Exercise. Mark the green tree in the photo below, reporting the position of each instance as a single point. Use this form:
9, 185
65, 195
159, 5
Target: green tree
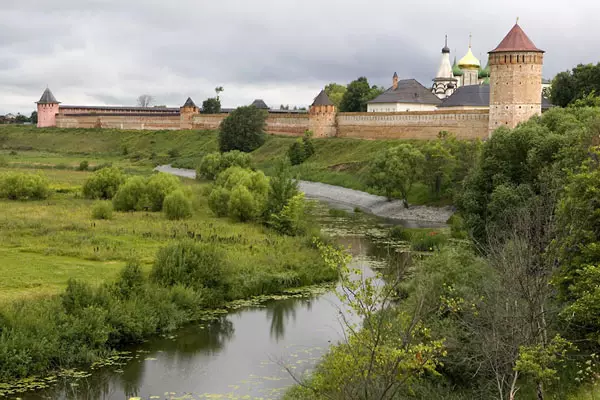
578, 83
212, 105
218, 91
243, 129
20, 118
396, 170
34, 117
440, 165
335, 92
357, 94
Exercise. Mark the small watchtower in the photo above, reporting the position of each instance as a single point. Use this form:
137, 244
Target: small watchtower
515, 80
47, 108
321, 117
186, 114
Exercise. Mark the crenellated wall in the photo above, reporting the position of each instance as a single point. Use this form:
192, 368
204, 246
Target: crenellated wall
465, 124
287, 124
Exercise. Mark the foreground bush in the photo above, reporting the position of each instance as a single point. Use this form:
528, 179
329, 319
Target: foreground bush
214, 163
177, 206
301, 149
158, 187
104, 183
243, 130
22, 186
139, 193
102, 210
427, 241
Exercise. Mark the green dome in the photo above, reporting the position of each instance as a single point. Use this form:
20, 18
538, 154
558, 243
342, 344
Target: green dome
484, 72
456, 71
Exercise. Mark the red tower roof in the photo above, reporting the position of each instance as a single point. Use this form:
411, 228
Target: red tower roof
516, 40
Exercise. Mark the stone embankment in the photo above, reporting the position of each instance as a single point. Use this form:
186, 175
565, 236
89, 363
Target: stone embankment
367, 202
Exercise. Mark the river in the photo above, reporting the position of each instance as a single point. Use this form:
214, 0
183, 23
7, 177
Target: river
241, 355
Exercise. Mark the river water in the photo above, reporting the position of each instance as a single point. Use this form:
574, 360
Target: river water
241, 355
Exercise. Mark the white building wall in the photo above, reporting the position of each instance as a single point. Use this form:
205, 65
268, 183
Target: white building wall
400, 107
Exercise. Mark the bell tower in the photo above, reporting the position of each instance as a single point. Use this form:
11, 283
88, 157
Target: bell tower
515, 80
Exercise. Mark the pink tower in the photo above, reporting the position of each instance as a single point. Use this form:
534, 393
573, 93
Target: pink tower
47, 109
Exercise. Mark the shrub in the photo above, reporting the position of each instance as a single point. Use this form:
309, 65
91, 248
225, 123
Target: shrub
101, 166
399, 233
213, 164
243, 129
242, 204
218, 201
84, 165
159, 186
427, 241
102, 210
301, 149
132, 195
246, 193
282, 187
103, 184
292, 219
22, 186
458, 229
191, 265
131, 280
177, 206
173, 153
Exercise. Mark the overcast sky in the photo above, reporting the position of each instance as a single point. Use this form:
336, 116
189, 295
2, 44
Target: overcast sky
107, 52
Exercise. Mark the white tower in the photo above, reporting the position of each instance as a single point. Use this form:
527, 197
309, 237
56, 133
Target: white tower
444, 83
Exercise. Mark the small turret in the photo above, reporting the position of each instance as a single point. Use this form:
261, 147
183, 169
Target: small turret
322, 115
444, 82
47, 108
395, 81
186, 114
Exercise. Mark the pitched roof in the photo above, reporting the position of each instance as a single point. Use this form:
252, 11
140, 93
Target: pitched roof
322, 100
47, 98
189, 103
477, 96
408, 91
259, 103
516, 40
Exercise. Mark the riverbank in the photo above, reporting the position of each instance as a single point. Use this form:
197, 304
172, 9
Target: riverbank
376, 205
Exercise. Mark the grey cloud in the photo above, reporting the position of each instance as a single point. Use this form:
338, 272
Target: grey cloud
110, 51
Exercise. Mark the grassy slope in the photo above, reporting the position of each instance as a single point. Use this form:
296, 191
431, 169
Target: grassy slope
44, 243
337, 161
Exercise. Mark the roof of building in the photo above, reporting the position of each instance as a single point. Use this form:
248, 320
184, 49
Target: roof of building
322, 100
469, 60
189, 103
516, 40
477, 96
408, 91
446, 49
48, 98
259, 103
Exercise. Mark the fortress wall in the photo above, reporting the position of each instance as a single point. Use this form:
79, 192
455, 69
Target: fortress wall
142, 122
465, 124
207, 121
287, 124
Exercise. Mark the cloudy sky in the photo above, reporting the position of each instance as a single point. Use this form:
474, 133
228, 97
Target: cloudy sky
107, 52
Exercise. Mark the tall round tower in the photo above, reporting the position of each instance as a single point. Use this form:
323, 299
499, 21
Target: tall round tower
47, 109
515, 80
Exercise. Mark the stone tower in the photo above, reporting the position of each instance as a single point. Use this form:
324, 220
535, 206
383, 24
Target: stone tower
47, 109
515, 80
444, 83
186, 114
321, 117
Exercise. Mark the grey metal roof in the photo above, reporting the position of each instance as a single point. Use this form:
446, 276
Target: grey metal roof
477, 96
47, 98
322, 100
189, 103
259, 103
408, 91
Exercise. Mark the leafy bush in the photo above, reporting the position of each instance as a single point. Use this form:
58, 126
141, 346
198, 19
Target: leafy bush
103, 184
243, 129
173, 153
301, 149
131, 280
102, 210
177, 206
457, 227
427, 241
158, 187
22, 186
243, 206
218, 201
101, 166
132, 195
399, 233
190, 264
83, 166
292, 219
213, 164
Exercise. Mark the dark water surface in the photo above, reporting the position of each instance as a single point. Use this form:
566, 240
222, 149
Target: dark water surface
240, 356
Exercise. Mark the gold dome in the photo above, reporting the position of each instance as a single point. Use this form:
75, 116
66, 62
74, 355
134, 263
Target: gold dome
469, 61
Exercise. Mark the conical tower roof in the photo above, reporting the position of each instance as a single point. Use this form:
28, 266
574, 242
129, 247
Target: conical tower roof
322, 100
48, 98
189, 103
516, 40
258, 103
